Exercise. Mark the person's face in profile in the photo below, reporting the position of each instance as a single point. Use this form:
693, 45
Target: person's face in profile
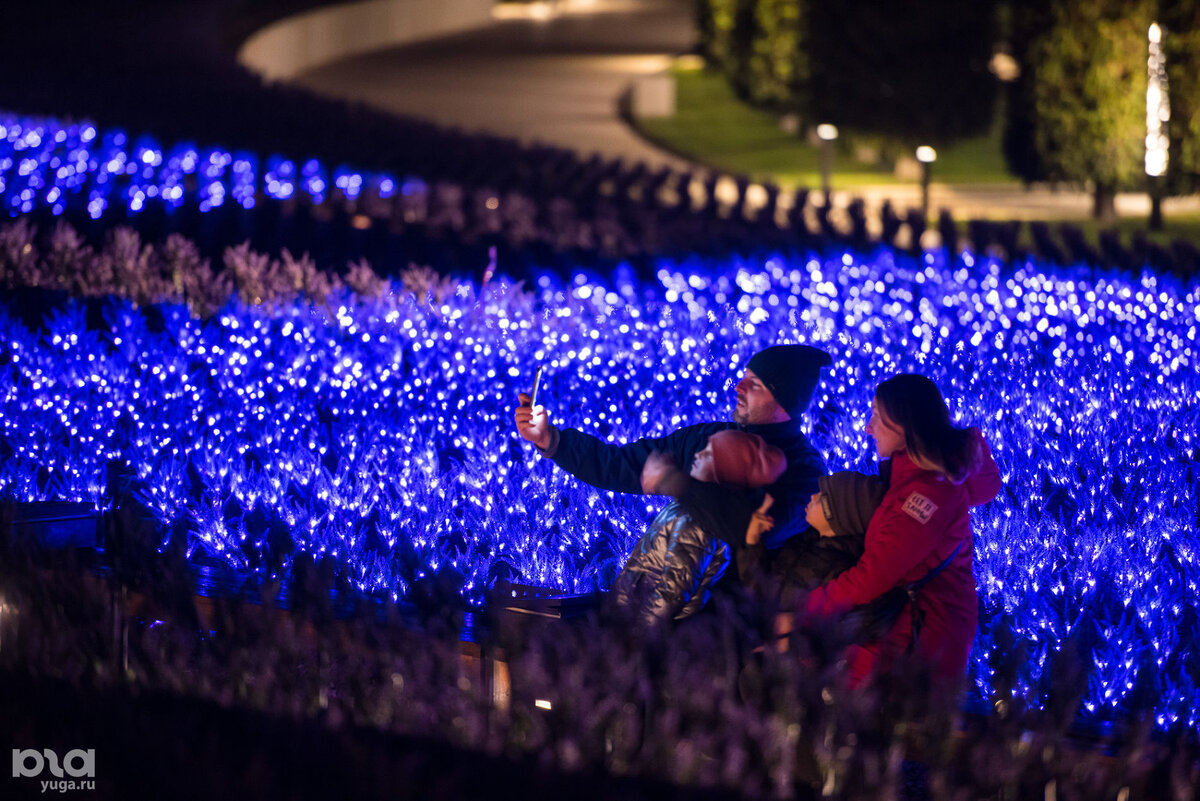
889, 438
814, 515
755, 403
702, 464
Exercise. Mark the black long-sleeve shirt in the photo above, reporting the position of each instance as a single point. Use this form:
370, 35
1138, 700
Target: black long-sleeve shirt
723, 509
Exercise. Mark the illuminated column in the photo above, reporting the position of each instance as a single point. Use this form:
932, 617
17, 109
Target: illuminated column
1158, 112
827, 134
926, 155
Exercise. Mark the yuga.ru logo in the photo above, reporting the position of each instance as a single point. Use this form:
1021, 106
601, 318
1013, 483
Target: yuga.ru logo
78, 764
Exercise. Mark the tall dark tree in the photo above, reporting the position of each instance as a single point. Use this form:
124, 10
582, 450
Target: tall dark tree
1180, 21
1077, 111
1025, 21
915, 71
727, 29
779, 67
1089, 95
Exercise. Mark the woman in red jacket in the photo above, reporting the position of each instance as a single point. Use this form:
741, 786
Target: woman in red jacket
938, 472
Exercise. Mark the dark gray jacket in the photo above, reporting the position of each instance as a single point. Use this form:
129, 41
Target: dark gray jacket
671, 569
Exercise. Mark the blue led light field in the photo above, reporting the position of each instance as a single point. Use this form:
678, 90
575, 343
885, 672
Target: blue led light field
376, 430
48, 164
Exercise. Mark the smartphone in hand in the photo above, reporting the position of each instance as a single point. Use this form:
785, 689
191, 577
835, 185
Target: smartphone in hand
537, 382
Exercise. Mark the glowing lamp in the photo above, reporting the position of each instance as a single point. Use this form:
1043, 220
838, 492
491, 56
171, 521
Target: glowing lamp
1158, 113
1158, 106
827, 133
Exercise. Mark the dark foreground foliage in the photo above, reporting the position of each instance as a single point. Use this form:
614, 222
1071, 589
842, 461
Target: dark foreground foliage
186, 696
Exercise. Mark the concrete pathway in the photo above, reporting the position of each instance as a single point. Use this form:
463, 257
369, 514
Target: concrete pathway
556, 74
556, 81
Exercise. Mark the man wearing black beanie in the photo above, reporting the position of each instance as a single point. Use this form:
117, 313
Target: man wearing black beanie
772, 396
789, 372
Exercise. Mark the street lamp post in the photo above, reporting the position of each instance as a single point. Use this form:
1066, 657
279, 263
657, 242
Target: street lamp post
828, 134
926, 155
1158, 113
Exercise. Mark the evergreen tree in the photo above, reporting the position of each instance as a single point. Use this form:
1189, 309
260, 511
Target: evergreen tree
1089, 95
1077, 112
778, 59
727, 29
714, 26
1180, 20
914, 71
1025, 19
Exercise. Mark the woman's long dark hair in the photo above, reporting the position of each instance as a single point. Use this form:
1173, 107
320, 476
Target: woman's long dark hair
914, 404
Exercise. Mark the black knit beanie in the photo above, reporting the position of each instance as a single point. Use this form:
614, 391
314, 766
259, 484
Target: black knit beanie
849, 500
791, 372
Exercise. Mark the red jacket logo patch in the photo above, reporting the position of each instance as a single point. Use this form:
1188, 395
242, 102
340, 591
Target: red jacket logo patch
919, 508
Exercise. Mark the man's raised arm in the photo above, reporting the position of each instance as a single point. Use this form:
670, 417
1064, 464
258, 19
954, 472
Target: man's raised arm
598, 463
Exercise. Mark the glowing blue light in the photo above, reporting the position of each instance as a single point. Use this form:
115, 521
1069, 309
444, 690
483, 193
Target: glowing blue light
392, 412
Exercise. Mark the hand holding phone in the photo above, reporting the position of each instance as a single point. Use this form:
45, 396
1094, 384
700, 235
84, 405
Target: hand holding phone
533, 422
537, 382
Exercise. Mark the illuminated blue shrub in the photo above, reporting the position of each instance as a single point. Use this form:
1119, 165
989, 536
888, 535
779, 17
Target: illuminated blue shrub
378, 429
45, 163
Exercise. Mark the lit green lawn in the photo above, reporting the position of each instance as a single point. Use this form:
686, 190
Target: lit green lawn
713, 127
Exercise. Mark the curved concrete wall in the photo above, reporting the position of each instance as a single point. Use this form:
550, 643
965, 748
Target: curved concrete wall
302, 42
